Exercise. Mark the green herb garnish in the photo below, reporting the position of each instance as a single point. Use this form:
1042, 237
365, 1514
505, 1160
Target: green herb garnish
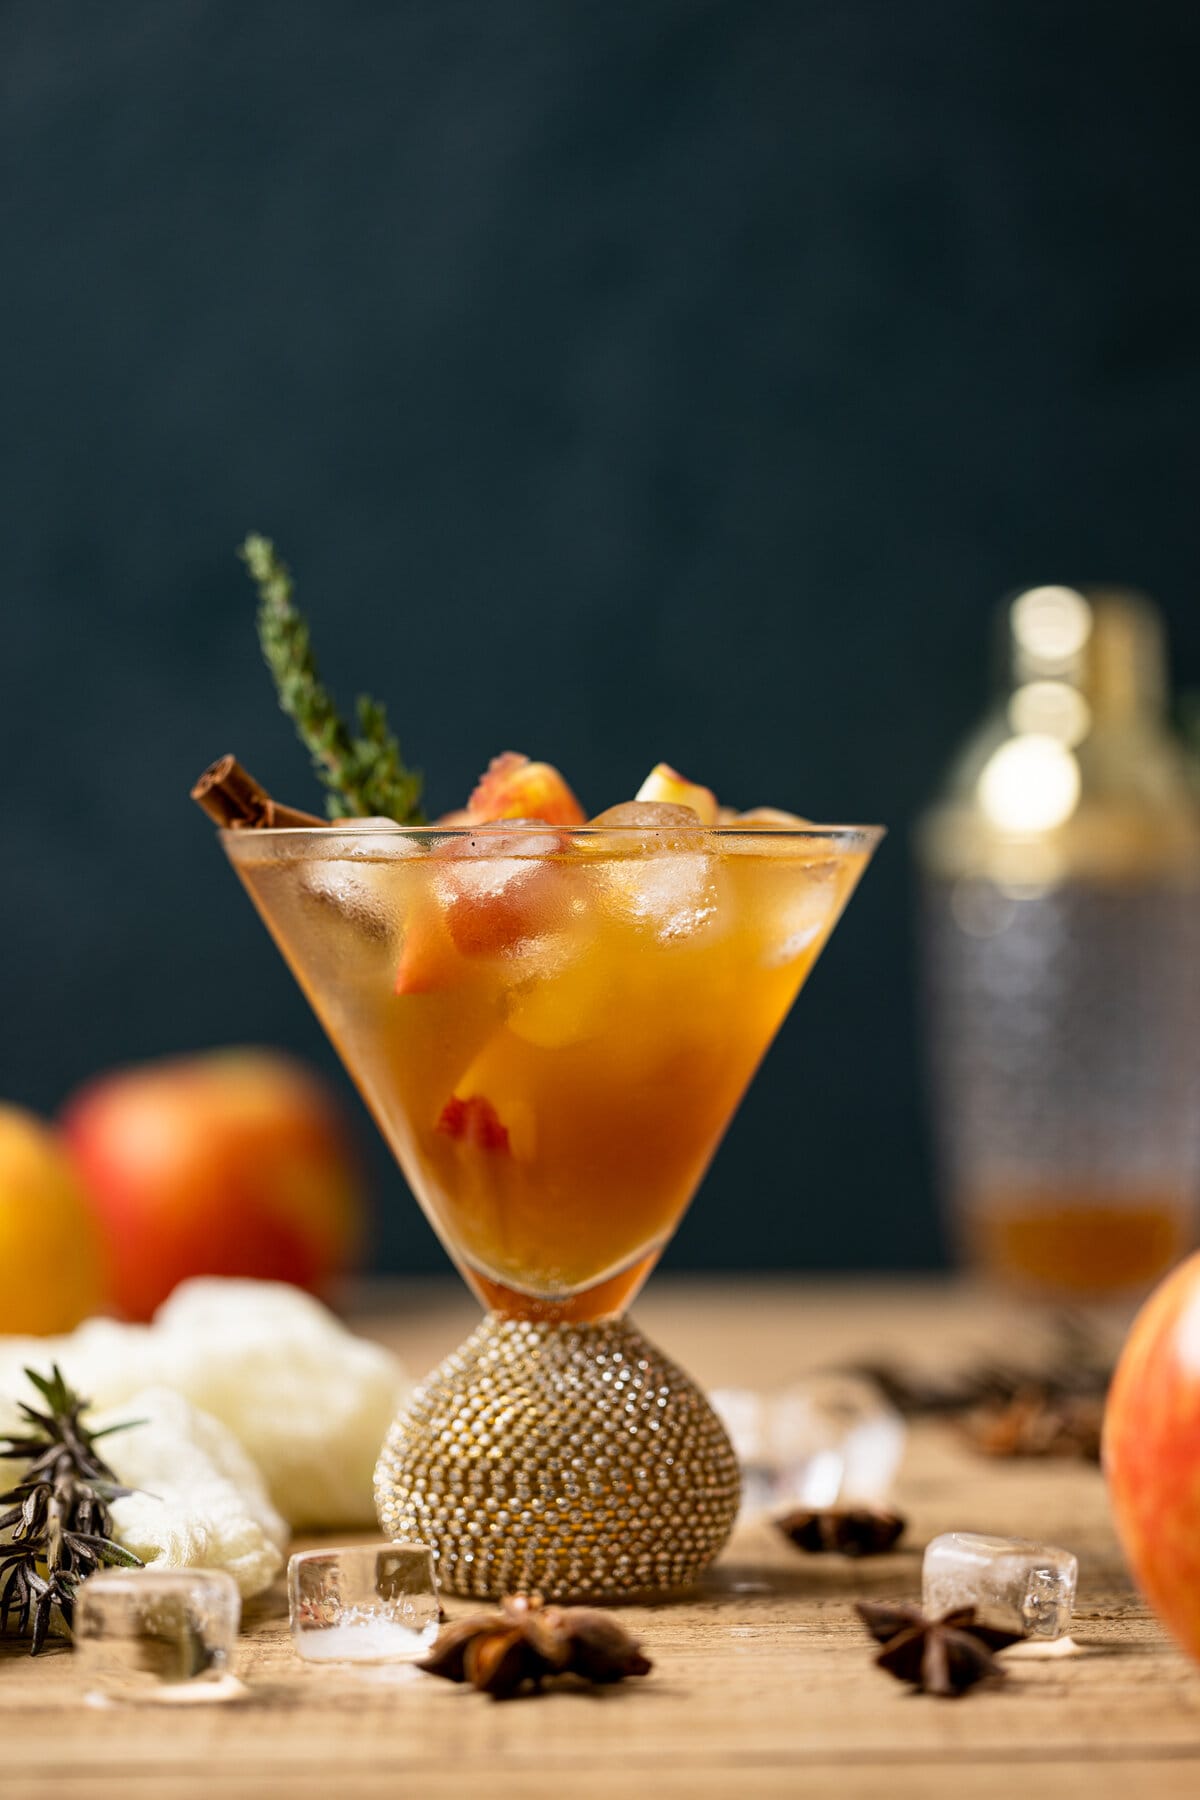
365, 774
58, 1516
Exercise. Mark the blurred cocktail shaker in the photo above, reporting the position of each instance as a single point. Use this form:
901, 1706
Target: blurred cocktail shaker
1060, 877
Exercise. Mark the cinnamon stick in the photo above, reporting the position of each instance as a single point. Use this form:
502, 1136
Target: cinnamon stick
231, 796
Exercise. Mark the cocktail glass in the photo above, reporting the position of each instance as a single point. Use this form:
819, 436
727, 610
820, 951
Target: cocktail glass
553, 1029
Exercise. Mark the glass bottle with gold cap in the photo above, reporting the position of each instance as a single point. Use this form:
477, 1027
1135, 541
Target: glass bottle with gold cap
1061, 911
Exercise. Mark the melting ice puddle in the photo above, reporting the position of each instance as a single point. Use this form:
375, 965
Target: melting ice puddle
1033, 1650
372, 1640
175, 1693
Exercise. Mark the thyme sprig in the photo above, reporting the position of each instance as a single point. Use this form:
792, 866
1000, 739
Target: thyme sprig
364, 771
57, 1513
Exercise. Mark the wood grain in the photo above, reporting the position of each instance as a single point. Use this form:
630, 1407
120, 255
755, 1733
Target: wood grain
763, 1682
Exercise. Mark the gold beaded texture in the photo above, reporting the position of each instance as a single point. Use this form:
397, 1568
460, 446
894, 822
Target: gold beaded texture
571, 1460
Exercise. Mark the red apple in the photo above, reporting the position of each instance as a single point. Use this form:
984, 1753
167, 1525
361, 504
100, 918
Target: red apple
1152, 1451
230, 1163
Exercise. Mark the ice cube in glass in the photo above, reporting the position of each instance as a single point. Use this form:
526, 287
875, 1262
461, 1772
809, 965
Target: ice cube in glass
662, 880
1013, 1583
366, 1603
153, 1634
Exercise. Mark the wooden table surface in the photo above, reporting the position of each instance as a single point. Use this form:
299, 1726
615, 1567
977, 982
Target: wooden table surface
763, 1682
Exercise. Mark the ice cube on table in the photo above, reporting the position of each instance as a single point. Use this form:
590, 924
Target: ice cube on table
368, 1603
157, 1634
837, 1442
829, 1440
1014, 1584
743, 1415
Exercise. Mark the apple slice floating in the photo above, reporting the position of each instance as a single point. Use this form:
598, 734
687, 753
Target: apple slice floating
500, 887
495, 891
667, 786
428, 959
515, 788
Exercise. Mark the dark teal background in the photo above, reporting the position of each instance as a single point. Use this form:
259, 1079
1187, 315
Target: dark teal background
679, 379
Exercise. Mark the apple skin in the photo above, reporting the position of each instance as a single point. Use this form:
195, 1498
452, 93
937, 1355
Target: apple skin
49, 1246
233, 1162
1151, 1451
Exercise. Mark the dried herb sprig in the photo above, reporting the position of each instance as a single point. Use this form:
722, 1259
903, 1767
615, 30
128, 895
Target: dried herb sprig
364, 771
943, 1656
1037, 1423
57, 1513
514, 1650
1010, 1408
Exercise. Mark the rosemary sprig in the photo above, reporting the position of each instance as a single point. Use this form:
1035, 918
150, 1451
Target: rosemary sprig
57, 1514
365, 773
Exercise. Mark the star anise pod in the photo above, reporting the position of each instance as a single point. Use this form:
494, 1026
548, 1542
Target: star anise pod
1035, 1422
504, 1653
943, 1656
848, 1531
57, 1519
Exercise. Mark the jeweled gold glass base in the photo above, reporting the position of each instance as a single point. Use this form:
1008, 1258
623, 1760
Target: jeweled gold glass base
571, 1460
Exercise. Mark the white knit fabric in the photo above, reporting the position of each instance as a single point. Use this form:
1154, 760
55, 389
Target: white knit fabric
200, 1503
308, 1402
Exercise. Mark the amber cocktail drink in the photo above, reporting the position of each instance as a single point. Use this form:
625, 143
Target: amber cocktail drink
552, 1028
